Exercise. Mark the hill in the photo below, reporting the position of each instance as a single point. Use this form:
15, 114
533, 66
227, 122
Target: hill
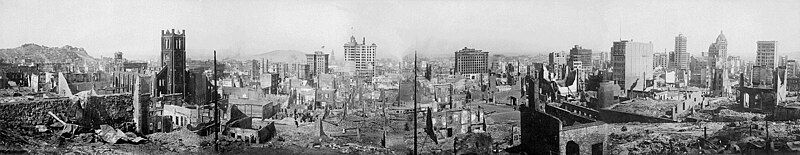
44, 54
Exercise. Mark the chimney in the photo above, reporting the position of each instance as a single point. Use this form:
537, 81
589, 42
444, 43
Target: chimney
183, 32
173, 31
162, 32
364, 41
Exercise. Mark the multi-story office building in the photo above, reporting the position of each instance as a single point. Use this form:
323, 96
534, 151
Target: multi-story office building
578, 53
791, 68
698, 67
679, 60
737, 65
632, 63
661, 60
255, 69
782, 60
317, 63
471, 61
600, 60
363, 55
718, 66
765, 57
557, 58
765, 54
558, 63
718, 51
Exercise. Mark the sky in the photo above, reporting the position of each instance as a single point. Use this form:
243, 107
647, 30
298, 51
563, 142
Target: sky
236, 28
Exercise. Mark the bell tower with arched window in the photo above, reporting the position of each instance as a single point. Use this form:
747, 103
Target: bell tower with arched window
173, 59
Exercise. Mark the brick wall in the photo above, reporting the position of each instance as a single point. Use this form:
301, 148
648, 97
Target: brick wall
585, 136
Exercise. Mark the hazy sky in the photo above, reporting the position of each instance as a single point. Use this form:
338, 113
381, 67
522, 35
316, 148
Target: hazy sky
398, 27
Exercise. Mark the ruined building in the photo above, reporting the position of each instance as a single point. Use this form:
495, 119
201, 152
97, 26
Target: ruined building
171, 78
760, 98
548, 129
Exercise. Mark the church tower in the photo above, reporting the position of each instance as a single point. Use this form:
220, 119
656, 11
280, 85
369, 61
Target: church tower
173, 60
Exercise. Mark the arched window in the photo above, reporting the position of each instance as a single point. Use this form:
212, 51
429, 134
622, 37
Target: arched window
166, 43
573, 148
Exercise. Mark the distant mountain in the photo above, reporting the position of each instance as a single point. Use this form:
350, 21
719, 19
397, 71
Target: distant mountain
287, 56
44, 54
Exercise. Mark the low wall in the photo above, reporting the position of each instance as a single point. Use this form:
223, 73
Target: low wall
567, 117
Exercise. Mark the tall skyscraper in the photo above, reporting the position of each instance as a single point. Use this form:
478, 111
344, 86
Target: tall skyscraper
173, 60
716, 75
765, 57
633, 64
471, 61
578, 53
680, 59
317, 63
718, 51
363, 55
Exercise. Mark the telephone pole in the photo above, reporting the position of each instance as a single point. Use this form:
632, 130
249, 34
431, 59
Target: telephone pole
415, 102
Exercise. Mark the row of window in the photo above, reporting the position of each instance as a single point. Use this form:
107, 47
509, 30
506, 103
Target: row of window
178, 44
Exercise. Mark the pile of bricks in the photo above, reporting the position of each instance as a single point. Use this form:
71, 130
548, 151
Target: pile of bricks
35, 112
114, 110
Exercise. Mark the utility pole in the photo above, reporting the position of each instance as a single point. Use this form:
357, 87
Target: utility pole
216, 105
415, 102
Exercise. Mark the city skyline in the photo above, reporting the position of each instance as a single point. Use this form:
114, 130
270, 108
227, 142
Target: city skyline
399, 27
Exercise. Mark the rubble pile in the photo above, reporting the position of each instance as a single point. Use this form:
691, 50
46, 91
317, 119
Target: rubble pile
702, 138
16, 138
724, 110
501, 134
35, 113
113, 110
474, 143
730, 115
653, 108
181, 140
349, 148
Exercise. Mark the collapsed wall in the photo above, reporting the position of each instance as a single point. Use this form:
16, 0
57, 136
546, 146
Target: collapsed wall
114, 110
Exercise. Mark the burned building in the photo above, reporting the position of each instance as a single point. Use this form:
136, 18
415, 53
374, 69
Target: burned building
171, 78
760, 98
549, 129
